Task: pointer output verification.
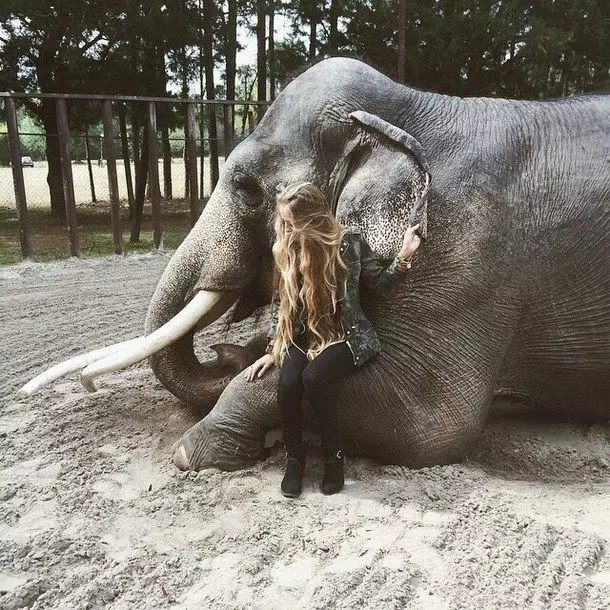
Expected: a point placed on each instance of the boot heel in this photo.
(292, 483)
(334, 478)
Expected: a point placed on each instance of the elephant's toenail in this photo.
(180, 459)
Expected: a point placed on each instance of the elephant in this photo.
(508, 295)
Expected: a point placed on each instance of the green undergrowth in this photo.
(49, 237)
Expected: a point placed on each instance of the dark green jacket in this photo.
(363, 266)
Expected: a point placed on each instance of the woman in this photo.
(319, 333)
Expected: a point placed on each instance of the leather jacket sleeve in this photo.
(373, 273)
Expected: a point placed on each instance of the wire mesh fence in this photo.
(91, 175)
(215, 129)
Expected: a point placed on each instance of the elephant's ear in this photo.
(380, 183)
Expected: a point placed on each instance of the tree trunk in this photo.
(271, 51)
(402, 38)
(313, 40)
(201, 126)
(202, 152)
(261, 55)
(126, 160)
(167, 162)
(89, 168)
(54, 175)
(141, 176)
(246, 108)
(163, 122)
(184, 93)
(135, 133)
(209, 90)
(187, 184)
(334, 18)
(232, 57)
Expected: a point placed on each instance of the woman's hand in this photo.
(410, 242)
(261, 366)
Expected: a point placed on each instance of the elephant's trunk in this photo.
(176, 366)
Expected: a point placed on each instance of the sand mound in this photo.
(94, 515)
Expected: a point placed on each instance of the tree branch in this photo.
(26, 101)
(91, 43)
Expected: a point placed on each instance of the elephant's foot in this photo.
(207, 445)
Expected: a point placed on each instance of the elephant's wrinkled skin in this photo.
(508, 294)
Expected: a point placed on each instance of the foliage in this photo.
(509, 48)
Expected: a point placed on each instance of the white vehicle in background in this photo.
(27, 162)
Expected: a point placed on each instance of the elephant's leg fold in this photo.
(232, 435)
(390, 419)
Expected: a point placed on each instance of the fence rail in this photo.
(144, 155)
(131, 98)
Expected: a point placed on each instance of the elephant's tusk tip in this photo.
(88, 384)
(25, 392)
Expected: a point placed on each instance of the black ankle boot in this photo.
(333, 480)
(293, 477)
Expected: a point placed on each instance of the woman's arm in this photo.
(377, 276)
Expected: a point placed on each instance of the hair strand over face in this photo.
(309, 268)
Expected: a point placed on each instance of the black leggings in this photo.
(317, 378)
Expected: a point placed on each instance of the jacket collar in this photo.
(347, 237)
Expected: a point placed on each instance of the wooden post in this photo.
(18, 182)
(153, 173)
(113, 184)
(89, 168)
(66, 172)
(191, 156)
(126, 161)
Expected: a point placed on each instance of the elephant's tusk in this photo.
(178, 326)
(72, 364)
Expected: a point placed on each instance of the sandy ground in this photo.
(94, 515)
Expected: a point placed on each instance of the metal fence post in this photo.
(191, 150)
(66, 171)
(153, 172)
(113, 183)
(18, 182)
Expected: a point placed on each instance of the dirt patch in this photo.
(93, 514)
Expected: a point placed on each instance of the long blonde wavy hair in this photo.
(309, 252)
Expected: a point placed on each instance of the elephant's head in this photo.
(335, 125)
(324, 129)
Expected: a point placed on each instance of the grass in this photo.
(49, 236)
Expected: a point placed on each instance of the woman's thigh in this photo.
(293, 365)
(334, 362)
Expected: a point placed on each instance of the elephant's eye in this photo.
(248, 190)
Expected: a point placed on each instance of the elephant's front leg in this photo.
(232, 435)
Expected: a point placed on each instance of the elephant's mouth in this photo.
(204, 308)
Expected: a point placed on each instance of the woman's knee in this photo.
(312, 376)
(290, 379)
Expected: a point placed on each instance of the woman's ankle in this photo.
(334, 478)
